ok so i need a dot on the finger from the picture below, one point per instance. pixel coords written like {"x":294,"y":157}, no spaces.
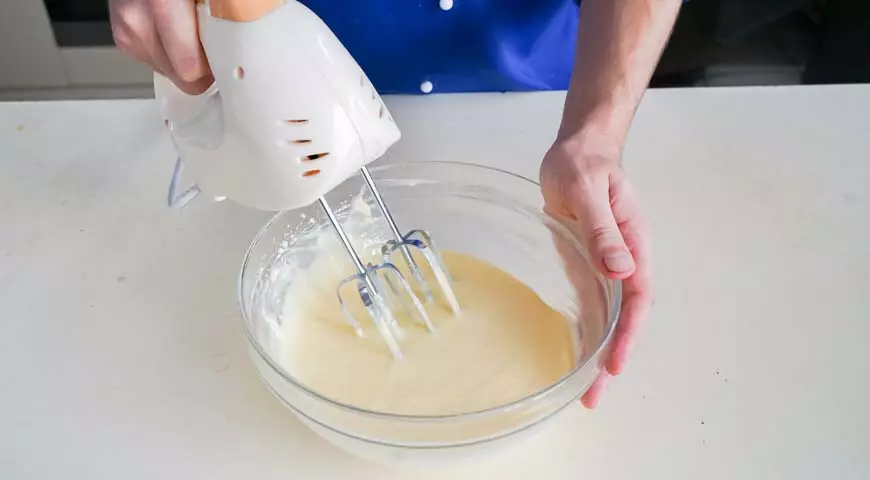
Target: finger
{"x":592,"y":206}
{"x":176,"y":26}
{"x":135,"y":34}
{"x":132,"y":28}
{"x":634,"y":311}
{"x":196,"y":87}
{"x":164,"y":65}
{"x":637,"y":296}
{"x":138,"y":52}
{"x":592,"y":397}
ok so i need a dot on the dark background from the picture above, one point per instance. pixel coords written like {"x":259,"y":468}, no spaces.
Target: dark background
{"x":768,"y":42}
{"x":715,"y":42}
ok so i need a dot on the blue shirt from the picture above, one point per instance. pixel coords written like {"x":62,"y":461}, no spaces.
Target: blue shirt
{"x":478,"y":45}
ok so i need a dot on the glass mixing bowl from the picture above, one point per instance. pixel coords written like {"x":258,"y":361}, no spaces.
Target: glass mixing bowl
{"x":488,"y":213}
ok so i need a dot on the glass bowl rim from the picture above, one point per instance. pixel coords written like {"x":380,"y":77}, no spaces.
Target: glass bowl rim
{"x":507,"y":407}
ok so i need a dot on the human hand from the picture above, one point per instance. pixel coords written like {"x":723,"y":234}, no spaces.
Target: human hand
{"x":587,"y":184}
{"x":163,"y":34}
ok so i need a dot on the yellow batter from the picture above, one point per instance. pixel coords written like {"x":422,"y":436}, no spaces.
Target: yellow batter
{"x":505,"y":345}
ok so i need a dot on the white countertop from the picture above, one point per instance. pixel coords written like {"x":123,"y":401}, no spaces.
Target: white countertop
{"x":122,"y":354}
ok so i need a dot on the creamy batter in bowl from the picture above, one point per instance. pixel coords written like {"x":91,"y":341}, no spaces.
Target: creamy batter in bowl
{"x":489,"y":214}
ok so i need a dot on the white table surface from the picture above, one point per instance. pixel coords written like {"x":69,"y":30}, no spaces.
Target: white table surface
{"x":122,"y":354}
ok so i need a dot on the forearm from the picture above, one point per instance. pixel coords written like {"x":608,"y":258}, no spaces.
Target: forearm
{"x":618,"y":46}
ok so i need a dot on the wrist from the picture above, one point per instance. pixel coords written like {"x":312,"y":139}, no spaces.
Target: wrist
{"x":598,"y":130}
{"x":591,"y":140}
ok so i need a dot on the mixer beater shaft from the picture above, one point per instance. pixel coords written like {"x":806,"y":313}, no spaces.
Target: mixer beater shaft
{"x":422,"y":242}
{"x":380,"y":287}
{"x":368,"y":292}
{"x":397,"y":236}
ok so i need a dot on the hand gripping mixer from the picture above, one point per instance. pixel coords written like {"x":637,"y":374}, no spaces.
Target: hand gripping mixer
{"x":291,"y":116}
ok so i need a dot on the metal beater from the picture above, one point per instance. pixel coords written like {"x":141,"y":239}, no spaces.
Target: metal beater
{"x":382,"y":287}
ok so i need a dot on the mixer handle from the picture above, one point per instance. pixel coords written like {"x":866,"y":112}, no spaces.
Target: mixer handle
{"x":195,"y":119}
{"x":180,"y":200}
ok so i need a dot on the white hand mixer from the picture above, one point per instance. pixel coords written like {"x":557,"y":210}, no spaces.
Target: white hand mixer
{"x":291,"y":116}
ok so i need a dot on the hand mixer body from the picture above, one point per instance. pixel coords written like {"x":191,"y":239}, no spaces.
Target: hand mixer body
{"x":290,"y":116}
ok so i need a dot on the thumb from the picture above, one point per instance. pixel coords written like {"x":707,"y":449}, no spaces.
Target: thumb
{"x":604,"y":240}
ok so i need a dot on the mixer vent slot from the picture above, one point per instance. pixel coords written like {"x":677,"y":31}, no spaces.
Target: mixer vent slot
{"x":296,"y":121}
{"x":311,"y":173}
{"x":314,"y":156}
{"x":300,"y":141}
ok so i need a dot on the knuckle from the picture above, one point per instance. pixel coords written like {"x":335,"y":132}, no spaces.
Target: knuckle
{"x":585,"y":182}
{"x":638,"y":225}
{"x":643,"y":295}
{"x":121,"y":36}
{"x":160,"y":10}
{"x":599,"y":165}
{"x":581,"y":191}
{"x":646,"y":297}
{"x":128,"y":24}
{"x":641,"y":226}
{"x":589,"y":183}
{"x":602,"y":234}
